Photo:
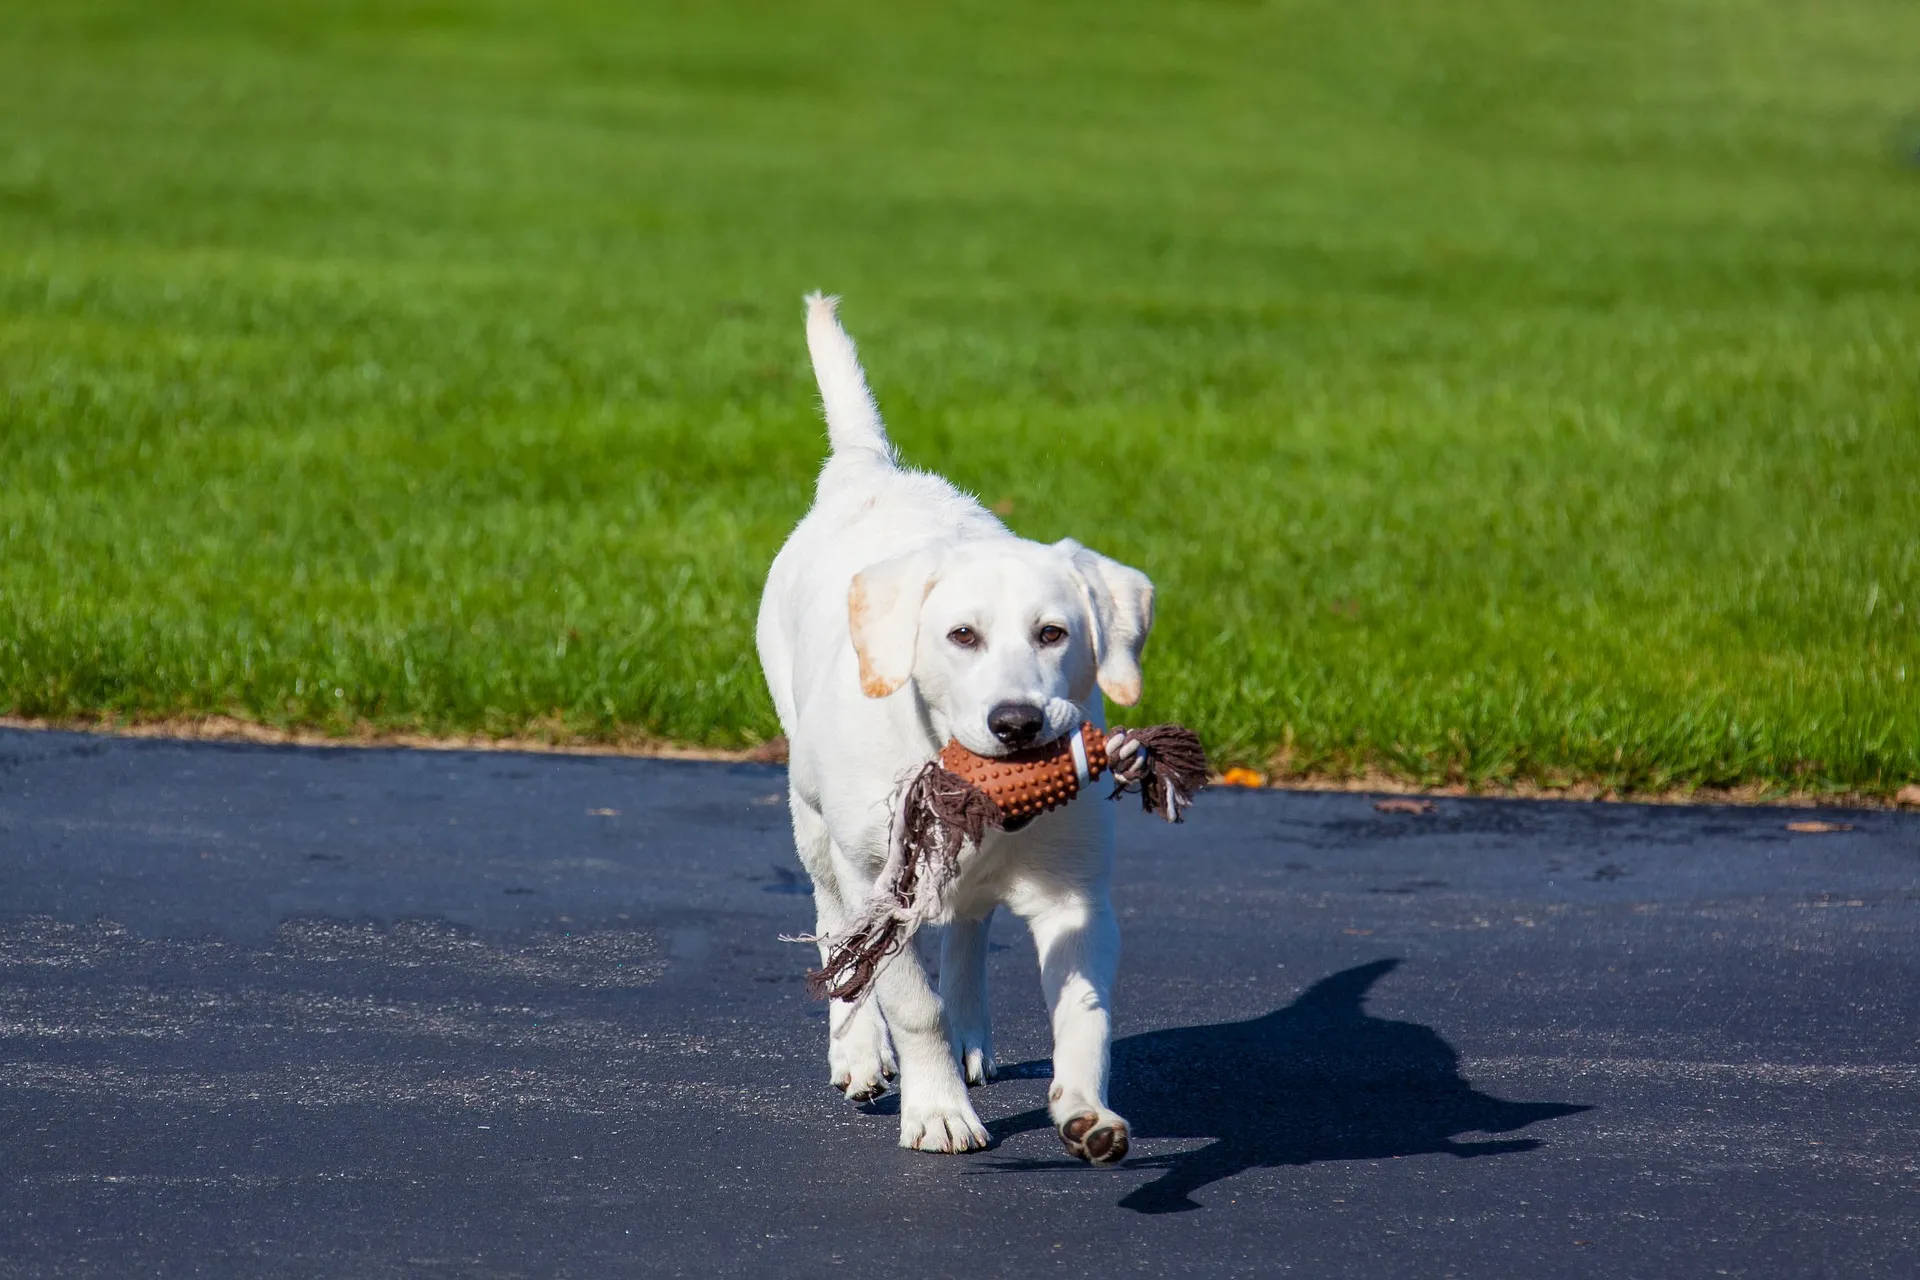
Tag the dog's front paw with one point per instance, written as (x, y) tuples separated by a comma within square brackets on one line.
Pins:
[(860, 1057), (950, 1129), (1098, 1137)]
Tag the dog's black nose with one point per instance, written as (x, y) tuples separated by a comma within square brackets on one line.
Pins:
[(1015, 723)]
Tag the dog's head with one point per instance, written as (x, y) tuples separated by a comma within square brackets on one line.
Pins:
[(1005, 641)]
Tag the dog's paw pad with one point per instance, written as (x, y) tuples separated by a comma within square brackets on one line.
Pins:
[(1096, 1137)]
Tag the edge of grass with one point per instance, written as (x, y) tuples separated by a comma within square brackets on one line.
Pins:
[(1280, 775)]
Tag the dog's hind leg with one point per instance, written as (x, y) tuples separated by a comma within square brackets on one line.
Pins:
[(1079, 945), (860, 1056), (963, 989)]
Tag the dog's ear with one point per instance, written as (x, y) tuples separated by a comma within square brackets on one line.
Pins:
[(1121, 602), (883, 613)]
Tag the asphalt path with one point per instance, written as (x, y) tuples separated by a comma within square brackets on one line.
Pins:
[(303, 1011)]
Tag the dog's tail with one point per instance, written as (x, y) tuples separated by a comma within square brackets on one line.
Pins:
[(853, 420)]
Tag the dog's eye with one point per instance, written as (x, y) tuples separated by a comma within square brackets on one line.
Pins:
[(965, 637), (1051, 634)]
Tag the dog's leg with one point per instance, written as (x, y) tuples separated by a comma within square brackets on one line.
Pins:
[(1079, 945), (934, 1112), (860, 1058), (963, 989)]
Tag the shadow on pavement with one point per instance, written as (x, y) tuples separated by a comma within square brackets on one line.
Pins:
[(1318, 1080)]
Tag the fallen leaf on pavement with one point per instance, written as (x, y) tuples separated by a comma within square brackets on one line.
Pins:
[(1818, 828), (1401, 804), (603, 813)]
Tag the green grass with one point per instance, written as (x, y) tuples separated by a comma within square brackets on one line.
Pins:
[(1513, 391)]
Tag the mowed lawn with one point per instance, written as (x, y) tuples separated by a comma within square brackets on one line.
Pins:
[(1500, 392)]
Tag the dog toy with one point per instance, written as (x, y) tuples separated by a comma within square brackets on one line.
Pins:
[(949, 805)]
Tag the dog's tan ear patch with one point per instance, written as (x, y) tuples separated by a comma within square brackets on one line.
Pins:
[(1124, 690), (860, 620), (883, 619)]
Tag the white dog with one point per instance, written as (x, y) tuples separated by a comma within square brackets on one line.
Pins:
[(900, 614)]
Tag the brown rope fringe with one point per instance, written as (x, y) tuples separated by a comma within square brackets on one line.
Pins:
[(1176, 769), (940, 814)]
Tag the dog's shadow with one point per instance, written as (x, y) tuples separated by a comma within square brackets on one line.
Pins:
[(1318, 1080)]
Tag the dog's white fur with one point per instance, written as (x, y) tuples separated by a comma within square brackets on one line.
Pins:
[(854, 638)]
